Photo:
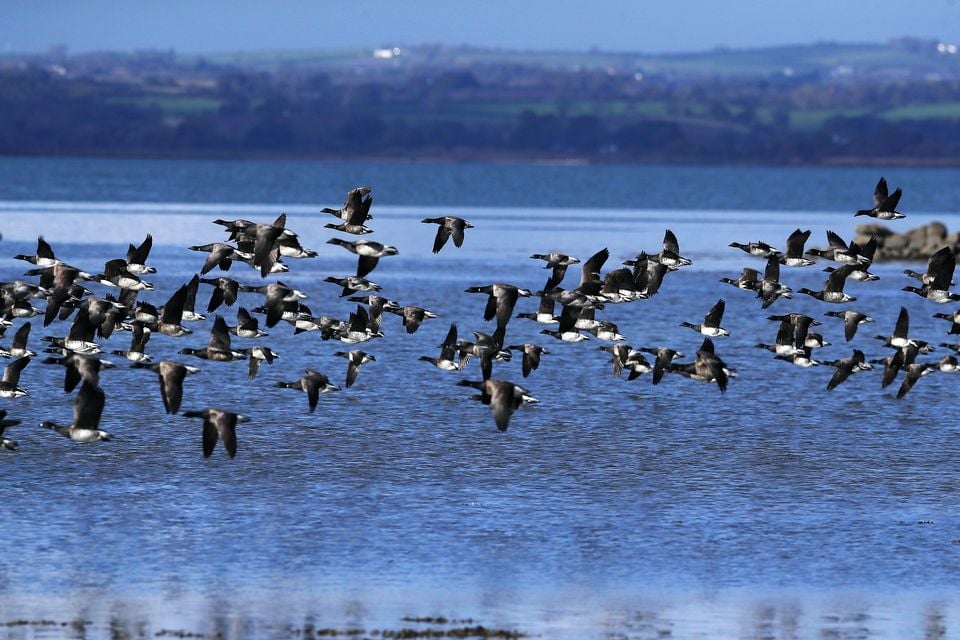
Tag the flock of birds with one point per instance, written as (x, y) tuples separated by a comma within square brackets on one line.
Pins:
[(264, 246)]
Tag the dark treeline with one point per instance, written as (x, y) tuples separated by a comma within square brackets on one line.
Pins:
[(493, 111)]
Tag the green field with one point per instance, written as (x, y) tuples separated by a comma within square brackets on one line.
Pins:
[(170, 105)]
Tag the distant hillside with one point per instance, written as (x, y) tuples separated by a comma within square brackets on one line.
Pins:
[(900, 59), (829, 103)]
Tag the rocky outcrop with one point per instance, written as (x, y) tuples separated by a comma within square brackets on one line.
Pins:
[(915, 245)]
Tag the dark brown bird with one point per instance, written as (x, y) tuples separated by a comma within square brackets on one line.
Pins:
[(218, 424)]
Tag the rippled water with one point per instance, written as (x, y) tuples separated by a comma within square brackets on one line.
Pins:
[(612, 507)]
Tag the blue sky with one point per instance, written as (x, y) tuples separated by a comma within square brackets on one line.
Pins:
[(205, 26)]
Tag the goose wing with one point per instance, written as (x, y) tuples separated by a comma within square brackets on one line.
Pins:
[(880, 192), (795, 243), (173, 310), (836, 241), (591, 268), (902, 327), (715, 316), (670, 242), (139, 254), (225, 423), (441, 238), (88, 406), (455, 226), (501, 401)]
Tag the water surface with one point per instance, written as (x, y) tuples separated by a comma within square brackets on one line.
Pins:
[(612, 507)]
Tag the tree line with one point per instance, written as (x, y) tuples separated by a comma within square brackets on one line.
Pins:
[(477, 113)]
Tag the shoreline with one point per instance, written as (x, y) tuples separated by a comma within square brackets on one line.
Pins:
[(482, 157)]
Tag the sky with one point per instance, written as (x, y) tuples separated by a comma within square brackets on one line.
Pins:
[(648, 26)]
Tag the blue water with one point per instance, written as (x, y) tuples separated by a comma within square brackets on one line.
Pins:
[(611, 507)]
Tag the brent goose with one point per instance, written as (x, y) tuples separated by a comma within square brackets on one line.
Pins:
[(16, 308), (664, 359), (648, 275), (500, 302), (137, 257), (770, 288), (565, 336), (448, 352), (277, 295), (87, 409), (953, 318), (10, 385), (376, 306), (413, 316), (266, 253), (839, 251), (669, 255), (833, 287), (899, 337), (801, 358), (221, 255), (711, 322), (290, 247), (938, 278), (625, 285), (559, 263), (940, 296), (190, 301), (801, 325), (313, 383), (171, 317), (503, 397), (847, 367), (44, 256), (606, 331), (368, 252), (784, 344), (355, 360), (357, 329), (5, 422), (759, 249), (356, 207), (948, 364), (531, 356), (247, 326), (225, 291), (892, 364), (352, 284), (486, 348), (749, 280), (18, 346), (884, 206), (914, 372), (59, 281), (706, 367), (138, 342), (859, 273), (623, 356), (815, 341), (794, 255), (171, 375), (115, 274), (218, 424), (544, 314), (851, 320), (938, 262), (257, 355), (218, 349), (449, 226), (80, 367)]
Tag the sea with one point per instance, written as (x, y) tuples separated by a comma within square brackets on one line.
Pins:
[(611, 509)]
